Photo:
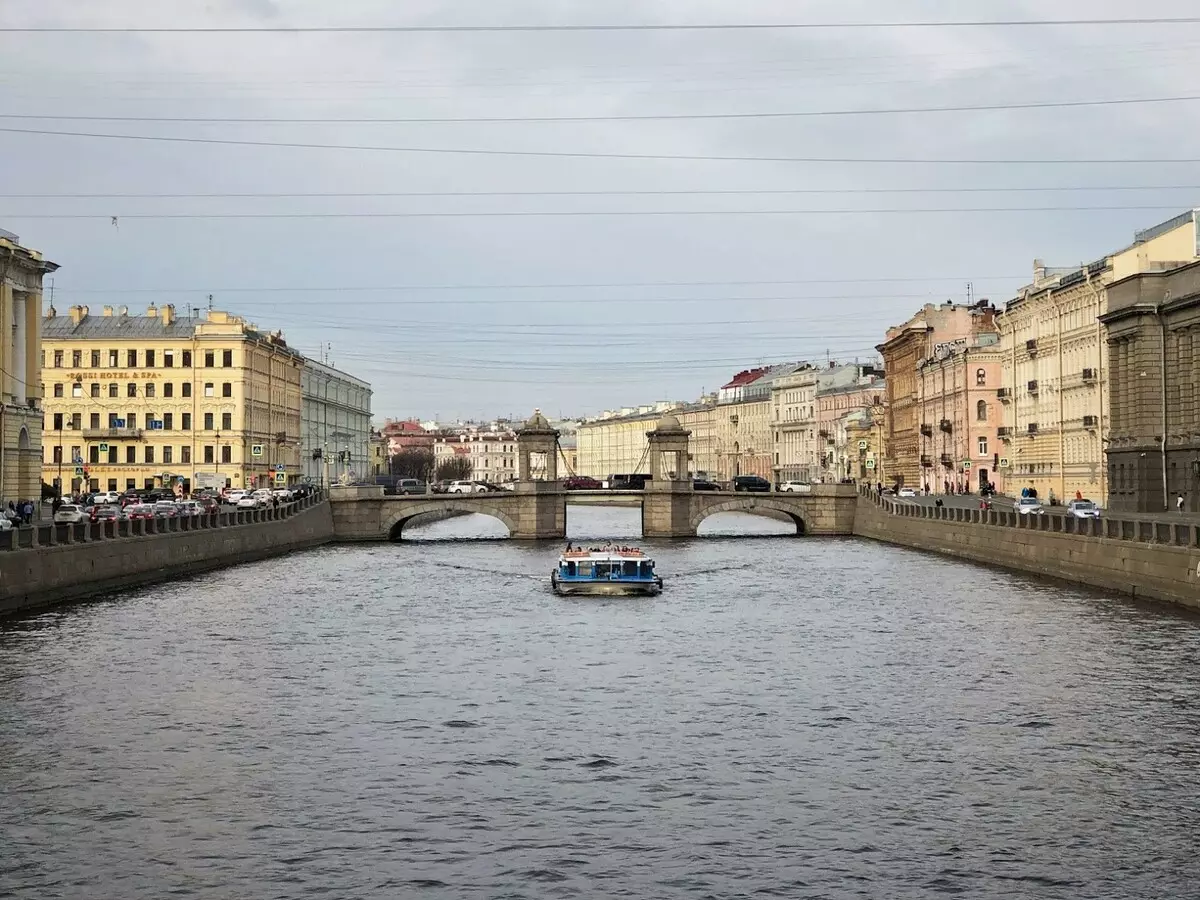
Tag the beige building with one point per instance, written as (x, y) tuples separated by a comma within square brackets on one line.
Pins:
[(492, 454), (21, 273), (1056, 366), (154, 400), (794, 411)]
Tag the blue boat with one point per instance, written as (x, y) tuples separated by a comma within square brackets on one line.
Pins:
[(605, 572)]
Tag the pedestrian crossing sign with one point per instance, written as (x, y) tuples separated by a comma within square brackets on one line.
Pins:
[(281, 477)]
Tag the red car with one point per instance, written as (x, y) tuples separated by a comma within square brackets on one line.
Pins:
[(140, 511), (582, 483)]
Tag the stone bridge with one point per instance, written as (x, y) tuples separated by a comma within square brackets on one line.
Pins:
[(537, 509)]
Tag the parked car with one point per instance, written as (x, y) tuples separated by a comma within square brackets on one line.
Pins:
[(509, 486), (106, 498), (1029, 506), (209, 505), (1083, 509), (234, 496), (247, 501), (752, 483), (190, 508), (906, 492), (69, 513), (283, 495), (634, 482), (264, 496), (465, 487), (107, 514), (703, 484), (796, 487), (410, 486), (581, 483), (5, 523), (166, 509)]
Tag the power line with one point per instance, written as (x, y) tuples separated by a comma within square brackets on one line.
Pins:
[(532, 214), (502, 29), (480, 120), (314, 195), (578, 154)]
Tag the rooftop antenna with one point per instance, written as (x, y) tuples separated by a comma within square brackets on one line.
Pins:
[(210, 302), (970, 290), (51, 293)]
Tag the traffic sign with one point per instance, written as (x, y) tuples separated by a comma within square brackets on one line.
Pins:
[(966, 465), (104, 448), (862, 445), (79, 471), (870, 463), (118, 423), (256, 449), (1004, 462), (280, 467), (281, 477)]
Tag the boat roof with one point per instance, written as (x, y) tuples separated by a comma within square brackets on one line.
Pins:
[(604, 553)]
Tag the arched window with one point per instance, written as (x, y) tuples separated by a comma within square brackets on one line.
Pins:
[(981, 411), (980, 376)]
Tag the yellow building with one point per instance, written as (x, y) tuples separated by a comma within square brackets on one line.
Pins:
[(153, 401), (1055, 370), (21, 272)]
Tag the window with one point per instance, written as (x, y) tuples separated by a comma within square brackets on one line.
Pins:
[(208, 455), (227, 421), (187, 389), (131, 358), (58, 421), (168, 454), (168, 360), (226, 454), (77, 390), (151, 418), (130, 484), (168, 423), (76, 420), (186, 362), (95, 359), (114, 390), (131, 389), (131, 420), (57, 455), (980, 376), (112, 454), (227, 358), (185, 454), (112, 420), (186, 422), (94, 421), (94, 454), (76, 453), (76, 358), (208, 389), (58, 391), (226, 389), (95, 389), (149, 454), (58, 359), (150, 389), (113, 359), (208, 421), (981, 411), (168, 390), (209, 358), (149, 359), (983, 447), (130, 455)]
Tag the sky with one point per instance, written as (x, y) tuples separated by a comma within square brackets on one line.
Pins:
[(616, 273)]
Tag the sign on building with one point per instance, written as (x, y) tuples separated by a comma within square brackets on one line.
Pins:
[(208, 480), (1004, 462), (256, 449), (281, 477), (118, 423), (104, 448)]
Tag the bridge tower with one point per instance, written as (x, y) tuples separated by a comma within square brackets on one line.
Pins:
[(541, 511), (667, 505)]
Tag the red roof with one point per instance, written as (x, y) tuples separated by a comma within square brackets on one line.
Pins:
[(408, 427), (741, 379)]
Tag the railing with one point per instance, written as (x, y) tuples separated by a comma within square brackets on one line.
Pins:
[(112, 434), (1119, 528), (32, 537)]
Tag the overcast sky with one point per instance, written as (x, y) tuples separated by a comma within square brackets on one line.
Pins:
[(477, 316)]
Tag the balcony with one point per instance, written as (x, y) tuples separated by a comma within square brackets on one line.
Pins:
[(1089, 376), (1004, 394), (946, 425), (1091, 421), (947, 461), (926, 462), (1031, 346), (823, 433), (112, 434), (1004, 432), (1032, 428), (1032, 387), (927, 430)]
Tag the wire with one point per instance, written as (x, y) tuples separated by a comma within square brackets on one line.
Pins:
[(503, 29), (533, 214), (666, 117), (579, 154)]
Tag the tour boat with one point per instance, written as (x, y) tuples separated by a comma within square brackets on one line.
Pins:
[(605, 572)]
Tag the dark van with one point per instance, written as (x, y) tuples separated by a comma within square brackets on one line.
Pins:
[(754, 483), (627, 482)]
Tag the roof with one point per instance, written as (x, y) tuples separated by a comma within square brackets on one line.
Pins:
[(749, 376), (60, 327)]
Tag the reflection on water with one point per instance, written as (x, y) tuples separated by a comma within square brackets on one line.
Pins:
[(792, 717)]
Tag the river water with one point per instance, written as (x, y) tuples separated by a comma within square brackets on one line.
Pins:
[(803, 718)]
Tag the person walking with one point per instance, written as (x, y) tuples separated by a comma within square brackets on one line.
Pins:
[(1179, 502)]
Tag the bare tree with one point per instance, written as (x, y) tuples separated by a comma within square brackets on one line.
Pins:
[(413, 463), (457, 468)]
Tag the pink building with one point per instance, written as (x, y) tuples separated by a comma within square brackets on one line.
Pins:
[(406, 435), (960, 417)]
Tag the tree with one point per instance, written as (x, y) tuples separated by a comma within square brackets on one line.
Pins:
[(457, 468), (413, 463)]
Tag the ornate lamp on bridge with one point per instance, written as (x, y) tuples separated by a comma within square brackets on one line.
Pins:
[(537, 448)]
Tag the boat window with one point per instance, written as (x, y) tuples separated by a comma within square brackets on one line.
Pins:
[(585, 569), (570, 568), (647, 568), (629, 568), (603, 569)]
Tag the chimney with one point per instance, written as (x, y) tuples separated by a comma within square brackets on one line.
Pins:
[(76, 315), (123, 311), (168, 314), (1039, 269), (152, 311), (108, 311), (51, 313)]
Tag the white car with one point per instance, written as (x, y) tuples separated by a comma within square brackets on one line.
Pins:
[(283, 494), (5, 523), (906, 492), (233, 497), (1029, 506), (69, 514), (465, 487), (246, 501), (107, 498), (1083, 509), (796, 487)]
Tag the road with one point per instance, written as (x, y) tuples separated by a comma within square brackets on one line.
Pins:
[(971, 501)]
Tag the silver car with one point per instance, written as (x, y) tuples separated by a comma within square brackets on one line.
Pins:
[(1083, 509), (1029, 506)]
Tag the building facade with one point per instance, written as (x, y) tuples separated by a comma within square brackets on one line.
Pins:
[(335, 424), (156, 401), (844, 413), (492, 455), (961, 418), (1152, 333), (21, 401), (794, 410), (905, 347)]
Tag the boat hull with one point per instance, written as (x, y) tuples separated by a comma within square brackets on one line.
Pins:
[(605, 588)]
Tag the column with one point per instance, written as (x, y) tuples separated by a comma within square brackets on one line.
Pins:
[(20, 358), (6, 347), (33, 344)]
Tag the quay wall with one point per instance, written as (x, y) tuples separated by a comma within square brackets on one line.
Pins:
[(1151, 560), (46, 575)]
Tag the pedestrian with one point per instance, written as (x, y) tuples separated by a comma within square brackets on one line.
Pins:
[(28, 511), (1179, 502)]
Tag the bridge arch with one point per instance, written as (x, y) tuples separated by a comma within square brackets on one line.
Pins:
[(755, 505), (393, 527)]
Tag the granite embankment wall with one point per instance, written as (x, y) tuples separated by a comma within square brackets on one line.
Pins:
[(55, 564), (1148, 559)]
